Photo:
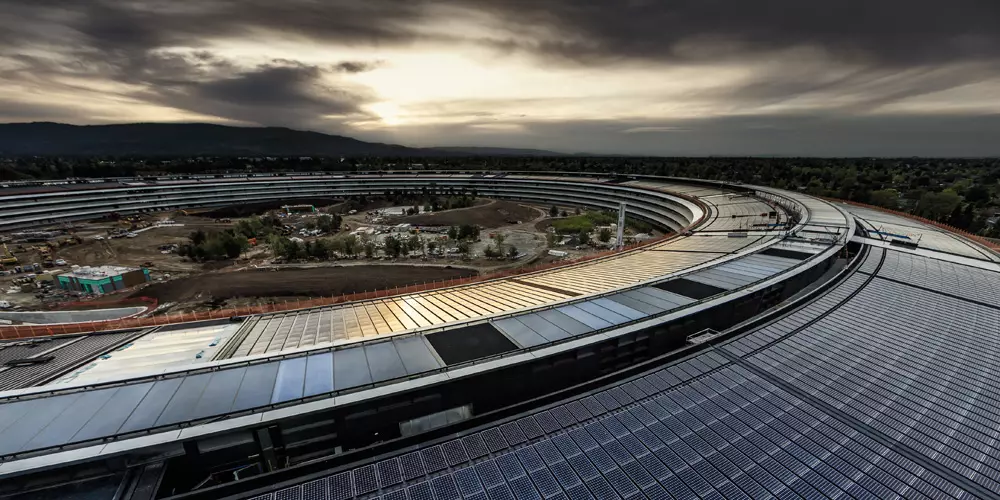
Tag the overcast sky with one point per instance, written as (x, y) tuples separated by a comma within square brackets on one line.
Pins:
[(677, 77)]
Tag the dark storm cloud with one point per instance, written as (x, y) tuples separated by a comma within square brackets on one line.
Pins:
[(891, 32), (896, 49), (356, 66), (280, 93), (861, 89)]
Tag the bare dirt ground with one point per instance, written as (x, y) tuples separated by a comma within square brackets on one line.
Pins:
[(132, 251), (490, 215), (296, 282)]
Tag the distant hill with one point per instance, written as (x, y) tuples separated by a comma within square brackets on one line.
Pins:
[(185, 139), (483, 151)]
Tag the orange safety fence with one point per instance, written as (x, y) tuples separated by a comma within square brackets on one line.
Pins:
[(961, 232), (29, 331)]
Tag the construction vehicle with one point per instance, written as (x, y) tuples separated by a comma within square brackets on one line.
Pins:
[(7, 258)]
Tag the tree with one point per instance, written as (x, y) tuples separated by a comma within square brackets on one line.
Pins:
[(500, 239), (453, 233), (888, 198), (431, 246), (321, 249), (468, 231), (328, 223), (369, 249), (583, 237), (198, 237), (576, 211), (512, 252), (414, 243), (234, 244), (489, 252), (554, 211), (604, 235), (938, 206), (393, 246), (351, 245), (463, 247), (977, 194)]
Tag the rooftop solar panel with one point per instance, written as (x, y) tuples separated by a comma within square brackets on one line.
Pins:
[(718, 425), (469, 342)]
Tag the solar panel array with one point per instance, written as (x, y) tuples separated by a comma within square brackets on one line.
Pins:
[(874, 390), (373, 318), (942, 276), (68, 354), (928, 237), (142, 405), (738, 213)]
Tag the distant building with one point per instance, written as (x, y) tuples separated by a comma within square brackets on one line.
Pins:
[(102, 279)]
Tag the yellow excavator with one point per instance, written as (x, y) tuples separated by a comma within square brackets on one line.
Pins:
[(7, 259)]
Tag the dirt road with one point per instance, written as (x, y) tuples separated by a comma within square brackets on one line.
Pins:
[(491, 215), (308, 282)]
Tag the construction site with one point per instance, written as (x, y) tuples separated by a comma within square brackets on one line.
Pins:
[(286, 251)]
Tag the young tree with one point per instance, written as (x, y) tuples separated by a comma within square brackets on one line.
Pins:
[(198, 237), (393, 246), (468, 231), (292, 250), (414, 243), (512, 252), (604, 235), (326, 224), (453, 233), (321, 249), (583, 237), (554, 211), (576, 211), (351, 245)]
